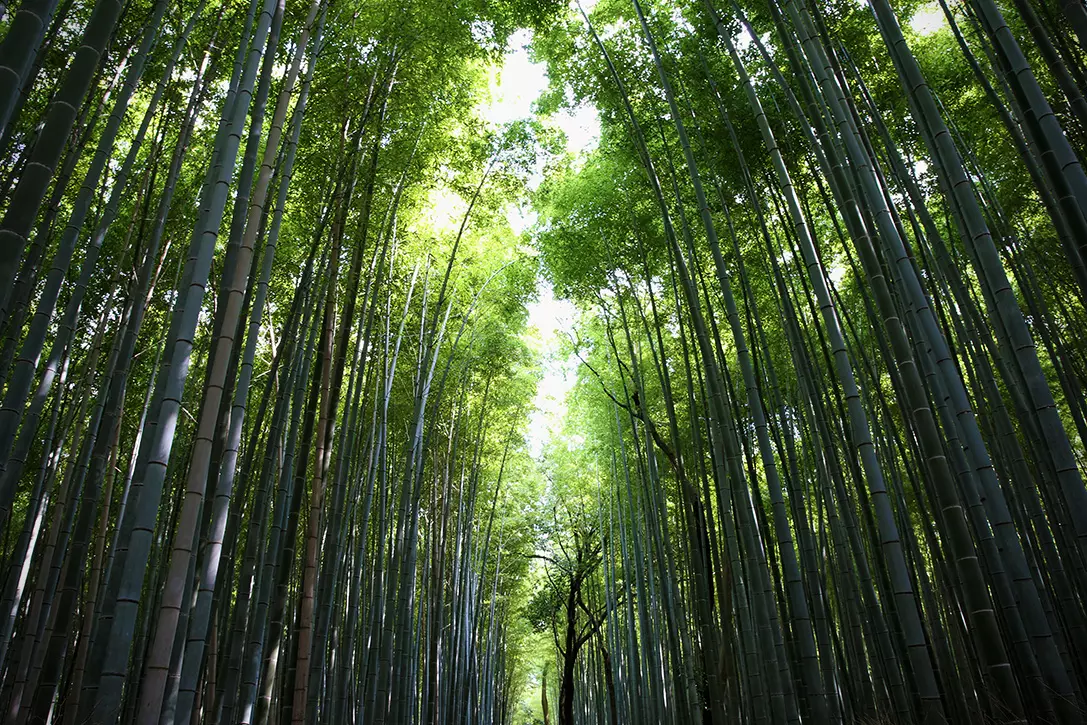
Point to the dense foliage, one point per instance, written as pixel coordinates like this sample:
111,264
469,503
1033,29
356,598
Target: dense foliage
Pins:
267,445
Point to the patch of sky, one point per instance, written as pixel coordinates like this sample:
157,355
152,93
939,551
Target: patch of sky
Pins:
515,86
928,19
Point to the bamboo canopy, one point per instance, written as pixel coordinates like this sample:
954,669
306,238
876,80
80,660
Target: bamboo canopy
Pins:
508,362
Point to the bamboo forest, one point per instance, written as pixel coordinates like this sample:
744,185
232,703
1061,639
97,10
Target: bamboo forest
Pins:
543,362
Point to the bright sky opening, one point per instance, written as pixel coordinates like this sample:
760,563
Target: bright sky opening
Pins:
518,82
928,19
515,86
549,320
